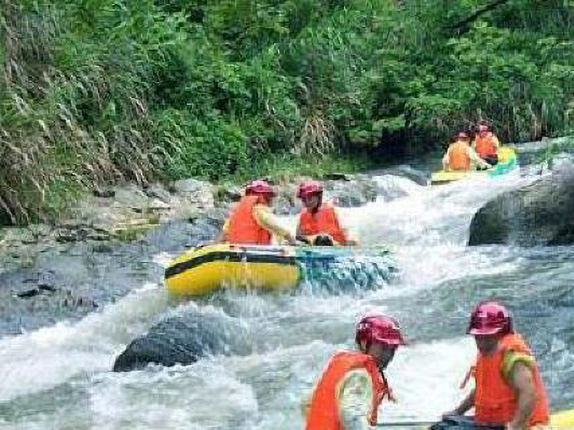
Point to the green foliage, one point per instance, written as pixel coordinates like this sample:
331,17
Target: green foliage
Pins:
210,148
99,91
287,167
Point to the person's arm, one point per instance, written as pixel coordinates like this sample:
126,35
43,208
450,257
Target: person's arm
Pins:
517,370
222,236
523,385
445,159
476,158
464,406
269,222
355,400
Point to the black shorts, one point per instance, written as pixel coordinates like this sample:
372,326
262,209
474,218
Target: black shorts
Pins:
491,159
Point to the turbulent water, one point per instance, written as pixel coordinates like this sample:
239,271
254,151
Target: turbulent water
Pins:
59,377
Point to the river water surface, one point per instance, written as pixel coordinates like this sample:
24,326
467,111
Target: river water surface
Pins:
59,377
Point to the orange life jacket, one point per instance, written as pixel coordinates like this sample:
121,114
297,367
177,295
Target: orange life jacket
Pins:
323,221
485,146
243,227
324,409
495,400
459,160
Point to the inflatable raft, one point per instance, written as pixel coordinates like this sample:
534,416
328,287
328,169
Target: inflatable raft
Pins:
506,162
206,269
562,420
558,421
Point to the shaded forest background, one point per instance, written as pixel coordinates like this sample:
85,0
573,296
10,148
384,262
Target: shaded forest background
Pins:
95,92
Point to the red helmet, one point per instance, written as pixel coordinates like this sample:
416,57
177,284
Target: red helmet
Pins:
309,187
490,318
379,329
259,187
462,135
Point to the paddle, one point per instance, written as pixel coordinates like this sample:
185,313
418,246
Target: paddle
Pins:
454,421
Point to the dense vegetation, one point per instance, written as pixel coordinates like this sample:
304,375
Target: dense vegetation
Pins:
97,91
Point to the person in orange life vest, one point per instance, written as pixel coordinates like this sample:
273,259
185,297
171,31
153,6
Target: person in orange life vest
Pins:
486,144
460,156
508,389
353,385
252,222
319,222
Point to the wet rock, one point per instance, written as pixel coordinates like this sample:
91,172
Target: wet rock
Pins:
532,153
336,177
193,191
125,215
28,303
41,288
157,205
131,196
357,191
158,191
176,236
405,171
286,202
87,275
6,219
56,297
183,340
537,214
228,193
104,192
77,233
190,185
30,235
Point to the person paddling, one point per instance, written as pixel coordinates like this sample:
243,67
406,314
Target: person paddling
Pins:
486,144
353,385
509,391
319,222
252,222
459,155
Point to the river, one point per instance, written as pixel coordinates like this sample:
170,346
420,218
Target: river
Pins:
59,377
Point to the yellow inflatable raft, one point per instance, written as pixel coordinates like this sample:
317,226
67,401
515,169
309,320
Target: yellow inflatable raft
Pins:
558,421
506,163
329,269
563,420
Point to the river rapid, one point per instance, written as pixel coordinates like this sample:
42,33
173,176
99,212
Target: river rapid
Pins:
59,377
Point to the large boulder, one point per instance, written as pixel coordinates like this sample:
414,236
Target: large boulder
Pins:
532,152
537,214
184,340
